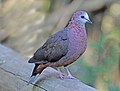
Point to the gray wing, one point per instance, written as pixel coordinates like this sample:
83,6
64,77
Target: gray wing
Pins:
54,49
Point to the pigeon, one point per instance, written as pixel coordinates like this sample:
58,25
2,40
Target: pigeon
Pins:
63,47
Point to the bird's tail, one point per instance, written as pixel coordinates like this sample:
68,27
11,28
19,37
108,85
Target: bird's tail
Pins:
32,79
36,72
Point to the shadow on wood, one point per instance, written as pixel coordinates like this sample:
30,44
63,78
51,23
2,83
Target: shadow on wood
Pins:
15,73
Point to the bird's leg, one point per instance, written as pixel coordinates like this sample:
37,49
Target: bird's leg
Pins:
69,75
60,74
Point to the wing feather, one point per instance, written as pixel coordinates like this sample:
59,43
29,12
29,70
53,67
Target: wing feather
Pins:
54,49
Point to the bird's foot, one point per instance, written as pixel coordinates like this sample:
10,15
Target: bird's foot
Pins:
61,76
70,77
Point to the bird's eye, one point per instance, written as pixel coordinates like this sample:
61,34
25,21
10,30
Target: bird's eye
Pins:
82,16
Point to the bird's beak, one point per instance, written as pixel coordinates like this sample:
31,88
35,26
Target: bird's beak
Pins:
89,21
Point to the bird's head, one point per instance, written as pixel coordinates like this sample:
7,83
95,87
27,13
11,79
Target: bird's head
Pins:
81,17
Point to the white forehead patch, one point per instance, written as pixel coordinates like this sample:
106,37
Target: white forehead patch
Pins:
86,15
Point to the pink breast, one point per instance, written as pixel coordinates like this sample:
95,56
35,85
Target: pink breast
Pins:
77,42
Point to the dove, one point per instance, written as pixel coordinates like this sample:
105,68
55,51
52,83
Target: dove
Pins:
62,48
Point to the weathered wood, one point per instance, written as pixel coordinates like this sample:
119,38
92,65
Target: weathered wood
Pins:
15,72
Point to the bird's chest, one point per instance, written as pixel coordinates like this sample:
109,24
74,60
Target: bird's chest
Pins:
77,42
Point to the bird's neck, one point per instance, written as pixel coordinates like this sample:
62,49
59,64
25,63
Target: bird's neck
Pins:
75,25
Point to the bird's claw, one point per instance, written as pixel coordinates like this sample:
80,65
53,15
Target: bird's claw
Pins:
70,77
61,76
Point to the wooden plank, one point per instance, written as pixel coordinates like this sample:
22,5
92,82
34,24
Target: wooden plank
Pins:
15,73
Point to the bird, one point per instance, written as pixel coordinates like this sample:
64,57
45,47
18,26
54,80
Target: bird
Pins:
62,48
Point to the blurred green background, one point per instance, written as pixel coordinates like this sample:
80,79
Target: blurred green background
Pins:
26,24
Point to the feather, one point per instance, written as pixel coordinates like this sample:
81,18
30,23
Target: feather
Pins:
32,79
